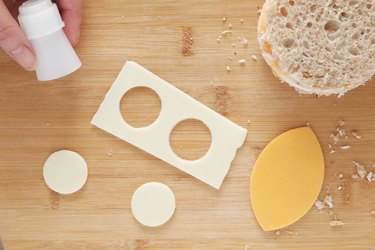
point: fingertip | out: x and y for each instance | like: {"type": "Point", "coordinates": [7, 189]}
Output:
{"type": "Point", "coordinates": [71, 11]}
{"type": "Point", "coordinates": [25, 57]}
{"type": "Point", "coordinates": [73, 36]}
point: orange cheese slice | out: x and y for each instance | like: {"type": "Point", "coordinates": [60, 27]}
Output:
{"type": "Point", "coordinates": [287, 178]}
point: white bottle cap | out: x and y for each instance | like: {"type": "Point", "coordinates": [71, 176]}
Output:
{"type": "Point", "coordinates": [42, 23]}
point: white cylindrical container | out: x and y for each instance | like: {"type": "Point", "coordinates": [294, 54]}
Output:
{"type": "Point", "coordinates": [42, 23]}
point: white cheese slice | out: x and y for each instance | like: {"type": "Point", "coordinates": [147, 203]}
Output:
{"type": "Point", "coordinates": [153, 204]}
{"type": "Point", "coordinates": [176, 106]}
{"type": "Point", "coordinates": [65, 172]}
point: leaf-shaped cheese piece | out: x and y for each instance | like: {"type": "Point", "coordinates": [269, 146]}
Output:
{"type": "Point", "coordinates": [287, 178]}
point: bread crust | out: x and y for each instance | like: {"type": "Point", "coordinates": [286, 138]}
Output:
{"type": "Point", "coordinates": [281, 36]}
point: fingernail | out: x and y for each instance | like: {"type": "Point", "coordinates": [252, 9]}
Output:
{"type": "Point", "coordinates": [24, 57]}
{"type": "Point", "coordinates": [76, 38]}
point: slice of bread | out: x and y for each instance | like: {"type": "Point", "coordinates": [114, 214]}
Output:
{"type": "Point", "coordinates": [320, 47]}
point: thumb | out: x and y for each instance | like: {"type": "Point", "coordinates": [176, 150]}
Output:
{"type": "Point", "coordinates": [14, 42]}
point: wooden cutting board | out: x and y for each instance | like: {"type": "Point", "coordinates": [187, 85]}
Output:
{"type": "Point", "coordinates": [37, 119]}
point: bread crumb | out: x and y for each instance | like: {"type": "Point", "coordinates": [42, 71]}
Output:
{"type": "Point", "coordinates": [254, 57]}
{"type": "Point", "coordinates": [277, 233]}
{"type": "Point", "coordinates": [361, 170]}
{"type": "Point", "coordinates": [242, 62]}
{"type": "Point", "coordinates": [341, 131]}
{"type": "Point", "coordinates": [241, 20]}
{"type": "Point", "coordinates": [224, 19]}
{"type": "Point", "coordinates": [289, 232]}
{"type": "Point", "coordinates": [225, 33]}
{"type": "Point", "coordinates": [328, 201]}
{"type": "Point", "coordinates": [248, 122]}
{"type": "Point", "coordinates": [373, 212]}
{"type": "Point", "coordinates": [341, 176]}
{"type": "Point", "coordinates": [340, 187]}
{"type": "Point", "coordinates": [243, 41]}
{"type": "Point", "coordinates": [345, 147]}
{"type": "Point", "coordinates": [336, 223]}
{"type": "Point", "coordinates": [110, 152]}
{"type": "Point", "coordinates": [230, 26]}
{"type": "Point", "coordinates": [356, 135]}
{"type": "Point", "coordinates": [187, 41]}
{"type": "Point", "coordinates": [218, 40]}
{"type": "Point", "coordinates": [247, 247]}
{"type": "Point", "coordinates": [335, 137]}
{"type": "Point", "coordinates": [234, 45]}
{"type": "Point", "coordinates": [341, 122]}
{"type": "Point", "coordinates": [332, 150]}
{"type": "Point", "coordinates": [229, 69]}
{"type": "Point", "coordinates": [230, 58]}
{"type": "Point", "coordinates": [370, 176]}
{"type": "Point", "coordinates": [355, 176]}
{"type": "Point", "coordinates": [319, 204]}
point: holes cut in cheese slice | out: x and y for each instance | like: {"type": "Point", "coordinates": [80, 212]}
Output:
{"type": "Point", "coordinates": [287, 178]}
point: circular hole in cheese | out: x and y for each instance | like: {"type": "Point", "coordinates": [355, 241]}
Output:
{"type": "Point", "coordinates": [140, 107]}
{"type": "Point", "coordinates": [190, 139]}
{"type": "Point", "coordinates": [153, 204]}
{"type": "Point", "coordinates": [286, 179]}
{"type": "Point", "coordinates": [65, 172]}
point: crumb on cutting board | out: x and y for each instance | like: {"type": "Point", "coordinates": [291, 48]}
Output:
{"type": "Point", "coordinates": [187, 41]}
{"type": "Point", "coordinates": [332, 150]}
{"type": "Point", "coordinates": [361, 170]}
{"type": "Point", "coordinates": [326, 203]}
{"type": "Point", "coordinates": [356, 135]}
{"type": "Point", "coordinates": [242, 62]}
{"type": "Point", "coordinates": [319, 204]}
{"type": "Point", "coordinates": [247, 247]}
{"type": "Point", "coordinates": [345, 147]}
{"type": "Point", "coordinates": [336, 223]}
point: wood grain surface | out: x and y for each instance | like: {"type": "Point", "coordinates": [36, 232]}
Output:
{"type": "Point", "coordinates": [37, 119]}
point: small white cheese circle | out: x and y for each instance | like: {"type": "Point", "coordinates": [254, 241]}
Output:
{"type": "Point", "coordinates": [153, 204]}
{"type": "Point", "coordinates": [65, 172]}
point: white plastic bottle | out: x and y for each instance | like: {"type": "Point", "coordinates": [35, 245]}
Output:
{"type": "Point", "coordinates": [42, 23]}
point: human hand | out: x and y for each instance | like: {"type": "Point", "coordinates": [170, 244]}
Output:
{"type": "Point", "coordinates": [14, 42]}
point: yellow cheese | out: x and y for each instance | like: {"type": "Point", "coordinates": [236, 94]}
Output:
{"type": "Point", "coordinates": [267, 48]}
{"type": "Point", "coordinates": [287, 178]}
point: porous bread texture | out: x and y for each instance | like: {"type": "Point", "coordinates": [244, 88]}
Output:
{"type": "Point", "coordinates": [319, 47]}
